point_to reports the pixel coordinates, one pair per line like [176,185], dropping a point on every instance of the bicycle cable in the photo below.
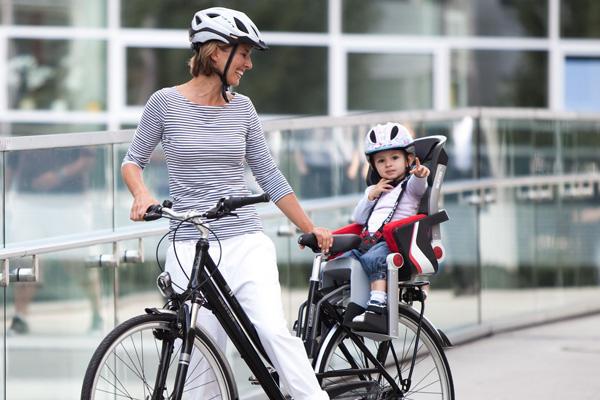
[174,231]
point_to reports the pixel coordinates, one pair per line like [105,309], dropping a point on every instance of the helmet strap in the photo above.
[225,84]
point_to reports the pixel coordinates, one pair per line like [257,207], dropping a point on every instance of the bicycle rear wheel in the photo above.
[126,363]
[431,378]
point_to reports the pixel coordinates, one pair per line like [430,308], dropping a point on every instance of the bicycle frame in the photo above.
[235,322]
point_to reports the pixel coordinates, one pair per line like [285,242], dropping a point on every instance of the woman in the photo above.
[207,132]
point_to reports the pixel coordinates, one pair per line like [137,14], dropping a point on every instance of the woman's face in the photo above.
[242,61]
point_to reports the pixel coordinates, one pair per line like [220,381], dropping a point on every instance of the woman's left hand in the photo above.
[324,238]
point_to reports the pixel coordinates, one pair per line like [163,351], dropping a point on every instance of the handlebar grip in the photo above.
[231,203]
[153,212]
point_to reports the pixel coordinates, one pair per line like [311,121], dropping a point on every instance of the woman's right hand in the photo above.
[383,186]
[140,204]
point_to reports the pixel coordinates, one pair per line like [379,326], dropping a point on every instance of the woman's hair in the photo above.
[200,62]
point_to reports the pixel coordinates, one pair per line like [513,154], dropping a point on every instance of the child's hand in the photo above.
[420,171]
[383,186]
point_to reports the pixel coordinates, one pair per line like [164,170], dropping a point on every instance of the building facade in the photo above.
[73,65]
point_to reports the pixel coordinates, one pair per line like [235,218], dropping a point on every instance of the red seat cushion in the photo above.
[388,229]
[352,228]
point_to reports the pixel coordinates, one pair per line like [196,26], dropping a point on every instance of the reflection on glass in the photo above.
[60,75]
[316,170]
[54,327]
[580,141]
[137,281]
[578,19]
[385,82]
[55,192]
[511,148]
[299,15]
[90,13]
[453,17]
[499,78]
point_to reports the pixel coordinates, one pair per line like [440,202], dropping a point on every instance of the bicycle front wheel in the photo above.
[127,364]
[340,358]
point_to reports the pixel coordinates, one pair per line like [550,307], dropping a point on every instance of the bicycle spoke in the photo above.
[189,380]
[416,385]
[135,372]
[191,373]
[118,395]
[117,379]
[143,377]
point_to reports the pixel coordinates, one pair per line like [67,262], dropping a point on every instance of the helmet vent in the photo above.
[198,20]
[240,25]
[372,136]
[213,15]
[394,132]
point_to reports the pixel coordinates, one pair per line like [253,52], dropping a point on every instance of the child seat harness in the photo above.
[371,239]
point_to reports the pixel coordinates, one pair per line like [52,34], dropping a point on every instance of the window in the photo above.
[448,17]
[387,82]
[59,75]
[88,13]
[582,84]
[272,15]
[499,78]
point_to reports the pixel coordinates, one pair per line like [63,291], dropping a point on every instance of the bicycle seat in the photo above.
[341,243]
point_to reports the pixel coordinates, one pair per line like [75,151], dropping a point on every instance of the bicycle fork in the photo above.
[186,349]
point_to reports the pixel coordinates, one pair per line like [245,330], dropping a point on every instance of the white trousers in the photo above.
[248,264]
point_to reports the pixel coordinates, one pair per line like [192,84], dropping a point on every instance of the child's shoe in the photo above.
[374,319]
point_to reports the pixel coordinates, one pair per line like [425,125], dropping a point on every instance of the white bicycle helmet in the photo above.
[390,136]
[225,25]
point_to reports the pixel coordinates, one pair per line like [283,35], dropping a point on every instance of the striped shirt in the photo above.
[206,148]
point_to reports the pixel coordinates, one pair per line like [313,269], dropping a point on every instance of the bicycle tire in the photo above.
[431,377]
[125,364]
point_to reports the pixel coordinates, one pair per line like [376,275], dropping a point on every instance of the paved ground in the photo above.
[555,361]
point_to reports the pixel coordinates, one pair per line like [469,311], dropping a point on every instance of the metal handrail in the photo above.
[124,136]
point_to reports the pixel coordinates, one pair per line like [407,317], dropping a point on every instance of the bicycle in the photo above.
[135,360]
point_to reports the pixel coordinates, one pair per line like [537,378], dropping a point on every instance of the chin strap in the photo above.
[225,84]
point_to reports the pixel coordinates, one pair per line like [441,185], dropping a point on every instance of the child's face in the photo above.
[391,164]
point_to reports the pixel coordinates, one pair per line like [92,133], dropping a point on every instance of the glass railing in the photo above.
[522,191]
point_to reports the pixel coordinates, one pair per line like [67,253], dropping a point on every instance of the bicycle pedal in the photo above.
[272,371]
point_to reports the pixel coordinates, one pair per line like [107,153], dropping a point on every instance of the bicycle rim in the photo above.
[431,378]
[126,363]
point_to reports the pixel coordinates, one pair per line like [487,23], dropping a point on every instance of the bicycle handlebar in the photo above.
[232,203]
[225,206]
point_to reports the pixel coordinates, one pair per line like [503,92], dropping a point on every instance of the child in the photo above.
[390,152]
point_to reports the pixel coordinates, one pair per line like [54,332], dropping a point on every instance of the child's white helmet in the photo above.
[390,136]
[225,25]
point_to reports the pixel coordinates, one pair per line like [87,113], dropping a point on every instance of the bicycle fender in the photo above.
[158,311]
